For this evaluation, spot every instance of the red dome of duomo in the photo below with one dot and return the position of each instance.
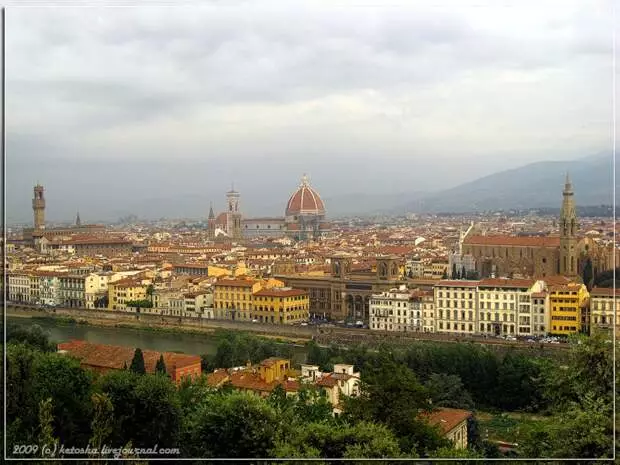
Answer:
(305, 201)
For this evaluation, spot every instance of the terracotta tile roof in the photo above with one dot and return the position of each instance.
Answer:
(327, 381)
(515, 241)
(457, 283)
(556, 280)
(275, 292)
(514, 283)
(305, 200)
(217, 378)
(115, 357)
(604, 292)
(447, 418)
(235, 282)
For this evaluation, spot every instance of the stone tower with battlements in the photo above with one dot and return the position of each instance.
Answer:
(38, 207)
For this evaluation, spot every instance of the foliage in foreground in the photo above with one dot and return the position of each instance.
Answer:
(50, 398)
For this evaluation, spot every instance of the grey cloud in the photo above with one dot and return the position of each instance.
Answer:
(325, 89)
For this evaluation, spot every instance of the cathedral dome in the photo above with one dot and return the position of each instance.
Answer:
(305, 201)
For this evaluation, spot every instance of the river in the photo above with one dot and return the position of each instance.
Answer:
(161, 341)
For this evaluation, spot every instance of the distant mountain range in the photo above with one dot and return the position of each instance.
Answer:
(537, 185)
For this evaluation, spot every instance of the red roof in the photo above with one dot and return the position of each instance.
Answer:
(604, 292)
(275, 292)
(116, 357)
(518, 283)
(458, 283)
(305, 200)
(517, 241)
(447, 418)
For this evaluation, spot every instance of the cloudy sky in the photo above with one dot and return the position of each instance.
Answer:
(158, 109)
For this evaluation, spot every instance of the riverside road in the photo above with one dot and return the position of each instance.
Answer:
(322, 334)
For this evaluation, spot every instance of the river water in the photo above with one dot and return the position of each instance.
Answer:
(194, 344)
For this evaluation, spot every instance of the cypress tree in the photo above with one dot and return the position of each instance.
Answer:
(160, 367)
(137, 364)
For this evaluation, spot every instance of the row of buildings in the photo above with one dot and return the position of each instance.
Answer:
(496, 307)
(493, 306)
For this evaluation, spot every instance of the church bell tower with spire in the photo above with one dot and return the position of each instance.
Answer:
(568, 232)
(211, 223)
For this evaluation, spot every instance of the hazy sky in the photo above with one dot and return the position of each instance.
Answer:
(113, 109)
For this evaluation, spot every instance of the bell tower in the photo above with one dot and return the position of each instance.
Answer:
(211, 223)
(234, 215)
(568, 232)
(38, 207)
(387, 268)
(341, 266)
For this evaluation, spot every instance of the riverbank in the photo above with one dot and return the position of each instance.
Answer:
(165, 326)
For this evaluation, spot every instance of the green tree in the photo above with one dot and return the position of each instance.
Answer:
(448, 391)
(519, 383)
(137, 363)
(120, 388)
(61, 378)
(312, 405)
(33, 336)
(587, 273)
(157, 411)
(160, 367)
(48, 444)
(279, 401)
(103, 420)
(454, 272)
(21, 405)
(391, 394)
(150, 290)
(363, 440)
(231, 425)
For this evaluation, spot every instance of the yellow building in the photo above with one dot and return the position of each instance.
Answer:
(232, 298)
(282, 305)
(602, 312)
(123, 291)
(566, 303)
(274, 369)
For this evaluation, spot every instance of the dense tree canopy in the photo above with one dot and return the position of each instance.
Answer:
(51, 399)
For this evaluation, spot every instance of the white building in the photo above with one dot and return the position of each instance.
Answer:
(395, 310)
(19, 287)
(344, 381)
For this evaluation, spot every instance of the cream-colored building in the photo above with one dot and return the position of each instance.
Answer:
(124, 291)
(456, 307)
(393, 311)
(95, 288)
(505, 306)
(602, 314)
(428, 312)
(436, 270)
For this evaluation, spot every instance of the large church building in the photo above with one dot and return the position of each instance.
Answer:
(304, 218)
(564, 254)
